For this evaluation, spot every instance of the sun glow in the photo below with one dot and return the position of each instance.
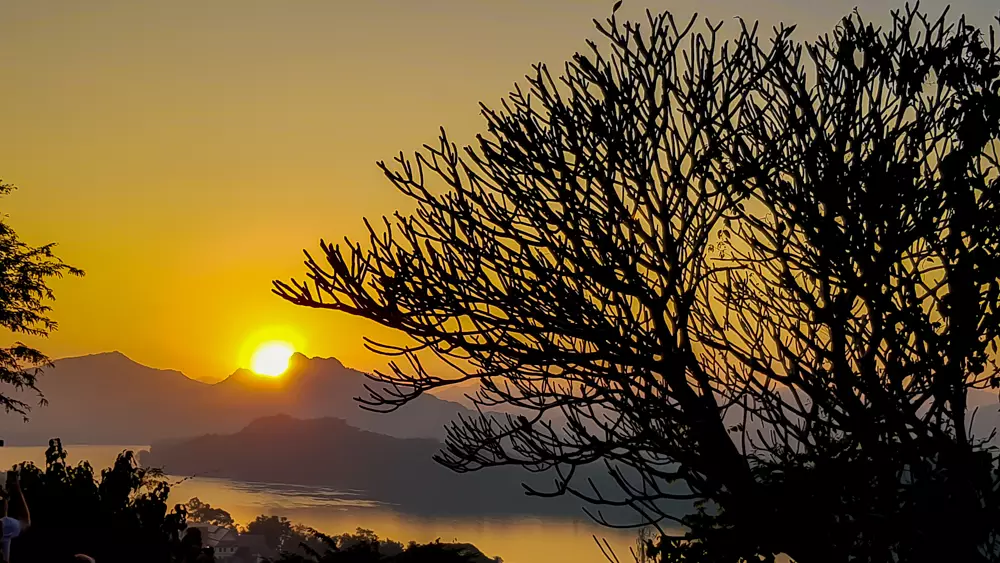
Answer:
(271, 358)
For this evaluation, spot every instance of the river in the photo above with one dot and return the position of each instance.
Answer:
(516, 540)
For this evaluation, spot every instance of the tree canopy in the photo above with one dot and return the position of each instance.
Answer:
(117, 515)
(25, 272)
(364, 546)
(759, 274)
(200, 512)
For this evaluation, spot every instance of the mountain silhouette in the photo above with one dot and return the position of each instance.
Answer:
(110, 399)
(329, 452)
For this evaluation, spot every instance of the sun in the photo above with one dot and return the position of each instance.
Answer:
(271, 358)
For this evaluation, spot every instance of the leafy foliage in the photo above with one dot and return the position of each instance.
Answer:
(364, 546)
(121, 515)
(24, 295)
(277, 531)
(203, 513)
(761, 276)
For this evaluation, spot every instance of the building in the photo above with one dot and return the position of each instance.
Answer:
(233, 547)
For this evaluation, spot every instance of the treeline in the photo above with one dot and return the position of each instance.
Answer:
(296, 543)
(121, 514)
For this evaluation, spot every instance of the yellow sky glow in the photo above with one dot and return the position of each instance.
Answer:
(184, 153)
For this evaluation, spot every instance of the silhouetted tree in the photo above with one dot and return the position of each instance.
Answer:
(364, 546)
(761, 275)
(276, 530)
(205, 513)
(386, 546)
(192, 548)
(120, 516)
(645, 545)
(25, 272)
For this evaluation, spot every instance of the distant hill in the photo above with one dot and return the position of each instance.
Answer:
(110, 399)
(330, 453)
(984, 413)
(458, 393)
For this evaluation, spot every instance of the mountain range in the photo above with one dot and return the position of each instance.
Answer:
(304, 427)
(110, 399)
(327, 452)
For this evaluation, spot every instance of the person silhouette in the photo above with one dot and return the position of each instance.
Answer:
(18, 519)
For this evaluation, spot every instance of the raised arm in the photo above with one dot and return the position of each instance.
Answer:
(18, 508)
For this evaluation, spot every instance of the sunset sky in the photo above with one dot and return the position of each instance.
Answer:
(184, 153)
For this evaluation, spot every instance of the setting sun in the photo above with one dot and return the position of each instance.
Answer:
(271, 358)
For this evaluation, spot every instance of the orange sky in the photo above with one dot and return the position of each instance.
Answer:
(184, 153)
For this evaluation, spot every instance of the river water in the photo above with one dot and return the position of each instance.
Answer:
(516, 540)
